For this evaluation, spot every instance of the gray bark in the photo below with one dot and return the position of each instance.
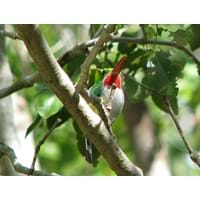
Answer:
(7, 127)
(14, 119)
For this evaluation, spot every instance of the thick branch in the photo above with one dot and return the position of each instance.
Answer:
(85, 67)
(89, 122)
(9, 152)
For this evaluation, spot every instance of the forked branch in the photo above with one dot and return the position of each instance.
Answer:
(5, 150)
(89, 122)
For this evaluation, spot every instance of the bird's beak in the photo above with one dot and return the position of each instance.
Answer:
(118, 67)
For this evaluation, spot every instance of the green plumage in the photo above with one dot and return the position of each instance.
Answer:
(95, 90)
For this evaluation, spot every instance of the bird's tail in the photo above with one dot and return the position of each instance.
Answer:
(88, 150)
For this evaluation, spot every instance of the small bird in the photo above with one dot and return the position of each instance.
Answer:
(111, 93)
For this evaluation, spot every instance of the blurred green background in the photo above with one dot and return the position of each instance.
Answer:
(145, 133)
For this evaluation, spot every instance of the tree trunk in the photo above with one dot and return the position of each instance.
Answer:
(7, 127)
(13, 119)
(141, 133)
(148, 150)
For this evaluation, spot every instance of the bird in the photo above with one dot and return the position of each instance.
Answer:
(110, 91)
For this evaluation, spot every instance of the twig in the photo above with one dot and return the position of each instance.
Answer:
(28, 81)
(143, 41)
(77, 50)
(9, 152)
(11, 35)
(40, 143)
(83, 47)
(85, 67)
(193, 155)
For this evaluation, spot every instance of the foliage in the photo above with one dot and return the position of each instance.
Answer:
(152, 72)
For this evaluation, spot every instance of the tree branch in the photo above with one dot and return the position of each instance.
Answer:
(143, 41)
(89, 122)
(85, 67)
(28, 81)
(9, 152)
(40, 143)
(77, 50)
(83, 47)
(193, 155)
(11, 35)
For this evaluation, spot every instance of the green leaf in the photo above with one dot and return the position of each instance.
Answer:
(73, 66)
(126, 47)
(158, 100)
(181, 36)
(96, 74)
(174, 104)
(157, 76)
(162, 78)
(179, 59)
(33, 125)
(195, 40)
(81, 145)
(47, 104)
(160, 30)
(164, 73)
(134, 91)
(151, 32)
(62, 114)
(50, 32)
(14, 62)
(137, 59)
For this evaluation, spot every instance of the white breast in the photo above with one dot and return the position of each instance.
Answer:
(117, 101)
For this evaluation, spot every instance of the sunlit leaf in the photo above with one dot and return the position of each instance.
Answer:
(47, 104)
(160, 30)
